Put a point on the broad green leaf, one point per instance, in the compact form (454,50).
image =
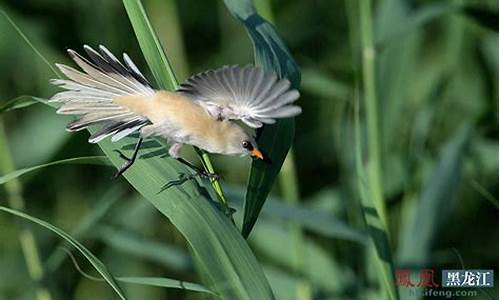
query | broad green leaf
(88,160)
(231,267)
(96,263)
(275,140)
(16,103)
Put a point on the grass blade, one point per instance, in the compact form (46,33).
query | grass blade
(127,242)
(18,102)
(150,45)
(88,160)
(272,54)
(435,202)
(96,263)
(166,283)
(87,224)
(312,219)
(376,227)
(27,40)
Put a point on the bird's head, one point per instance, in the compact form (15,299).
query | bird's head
(240,142)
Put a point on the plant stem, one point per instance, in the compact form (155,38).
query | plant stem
(371,103)
(373,198)
(15,200)
(207,165)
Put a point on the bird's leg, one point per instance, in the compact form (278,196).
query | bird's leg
(129,161)
(199,172)
(174,152)
(184,177)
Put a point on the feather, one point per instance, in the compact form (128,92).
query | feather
(91,92)
(247,93)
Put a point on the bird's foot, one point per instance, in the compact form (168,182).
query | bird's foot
(185,177)
(125,166)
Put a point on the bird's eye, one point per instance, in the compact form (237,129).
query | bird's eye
(247,145)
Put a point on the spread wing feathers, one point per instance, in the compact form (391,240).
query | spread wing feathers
(90,93)
(247,93)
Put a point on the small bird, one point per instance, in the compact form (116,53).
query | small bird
(201,112)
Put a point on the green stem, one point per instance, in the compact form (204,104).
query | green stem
(26,237)
(207,165)
(371,103)
(374,199)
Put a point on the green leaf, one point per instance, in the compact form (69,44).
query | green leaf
(149,281)
(166,282)
(272,54)
(395,19)
(96,263)
(27,40)
(16,103)
(150,45)
(224,256)
(318,265)
(380,253)
(435,203)
(311,219)
(88,160)
(145,249)
(88,223)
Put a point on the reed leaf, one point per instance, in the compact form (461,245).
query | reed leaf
(271,53)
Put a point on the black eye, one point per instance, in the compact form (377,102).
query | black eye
(247,145)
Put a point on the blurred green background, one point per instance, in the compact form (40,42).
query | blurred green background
(437,82)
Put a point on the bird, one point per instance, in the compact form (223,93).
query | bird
(209,110)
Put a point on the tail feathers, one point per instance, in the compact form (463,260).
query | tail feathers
(117,130)
(90,93)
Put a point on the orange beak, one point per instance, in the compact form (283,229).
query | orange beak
(256,153)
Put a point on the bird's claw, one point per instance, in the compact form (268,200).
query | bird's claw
(122,156)
(125,166)
(185,177)
(207,175)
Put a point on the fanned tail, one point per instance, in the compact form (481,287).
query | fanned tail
(90,93)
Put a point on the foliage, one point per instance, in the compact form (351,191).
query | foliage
(394,165)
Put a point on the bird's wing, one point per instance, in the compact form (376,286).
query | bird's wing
(90,93)
(246,93)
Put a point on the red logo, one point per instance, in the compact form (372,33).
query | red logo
(425,278)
